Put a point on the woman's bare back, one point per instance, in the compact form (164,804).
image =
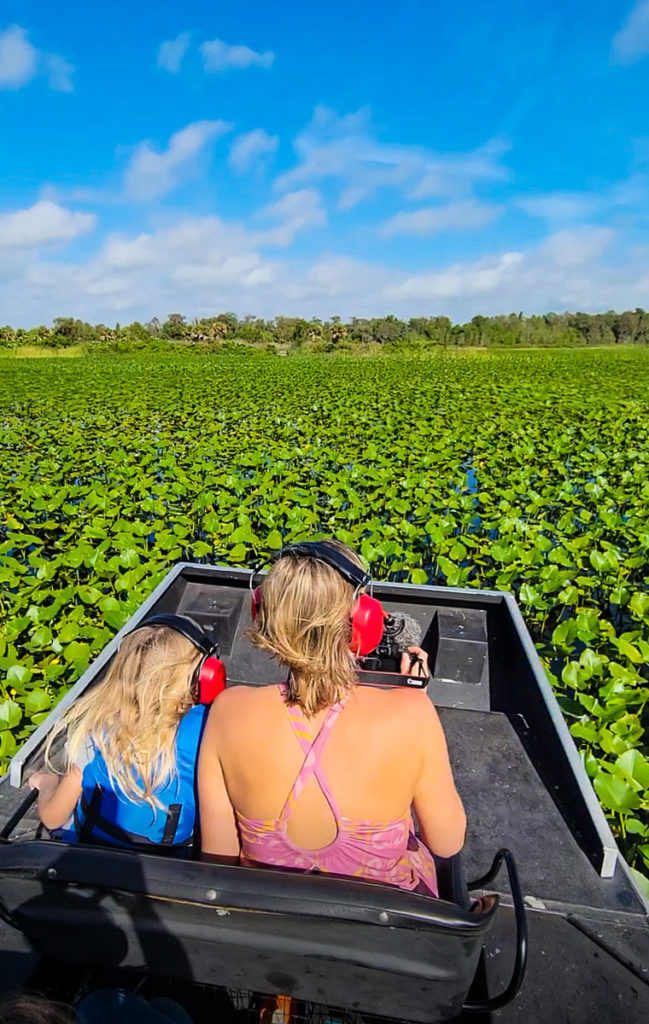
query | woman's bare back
(385,753)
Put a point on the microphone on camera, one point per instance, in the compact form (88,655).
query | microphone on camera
(402,631)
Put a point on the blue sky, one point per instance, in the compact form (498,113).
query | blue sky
(354,158)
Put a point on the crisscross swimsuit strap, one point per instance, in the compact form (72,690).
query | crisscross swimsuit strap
(313,751)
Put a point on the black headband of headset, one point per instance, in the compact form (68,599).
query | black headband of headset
(186,627)
(325,552)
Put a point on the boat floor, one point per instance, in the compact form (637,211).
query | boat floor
(508,804)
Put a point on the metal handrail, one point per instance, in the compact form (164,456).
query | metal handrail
(520,962)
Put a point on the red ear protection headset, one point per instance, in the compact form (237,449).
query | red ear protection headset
(368,616)
(209,678)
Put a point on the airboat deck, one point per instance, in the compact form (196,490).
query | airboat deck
(524,788)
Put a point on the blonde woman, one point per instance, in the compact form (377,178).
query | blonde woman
(322,774)
(132,744)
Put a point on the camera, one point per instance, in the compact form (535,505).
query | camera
(399,633)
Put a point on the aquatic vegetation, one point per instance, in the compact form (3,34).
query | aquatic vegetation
(525,471)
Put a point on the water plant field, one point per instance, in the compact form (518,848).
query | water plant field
(525,471)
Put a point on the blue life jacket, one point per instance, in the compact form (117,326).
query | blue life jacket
(104,814)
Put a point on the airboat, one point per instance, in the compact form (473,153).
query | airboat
(538,919)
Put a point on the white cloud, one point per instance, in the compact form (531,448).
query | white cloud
(296,211)
(172,52)
(632,41)
(573,248)
(559,206)
(345,148)
(203,265)
(181,243)
(449,173)
(200,265)
(194,254)
(18,58)
(251,147)
(219,56)
(433,220)
(329,284)
(243,271)
(43,223)
(565,208)
(632,191)
(482,277)
(59,73)
(20,62)
(152,174)
(566,271)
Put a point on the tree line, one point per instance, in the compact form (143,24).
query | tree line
(295,333)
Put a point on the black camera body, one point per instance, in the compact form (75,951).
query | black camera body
(386,657)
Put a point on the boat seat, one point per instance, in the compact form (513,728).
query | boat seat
(320,938)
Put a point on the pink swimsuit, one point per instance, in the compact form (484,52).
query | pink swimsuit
(387,852)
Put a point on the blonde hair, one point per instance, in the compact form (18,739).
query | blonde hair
(28,1008)
(305,622)
(132,716)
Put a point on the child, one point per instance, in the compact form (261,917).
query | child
(131,747)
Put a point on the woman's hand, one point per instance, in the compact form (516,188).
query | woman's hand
(414,662)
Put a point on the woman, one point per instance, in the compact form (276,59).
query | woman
(321,773)
(132,744)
